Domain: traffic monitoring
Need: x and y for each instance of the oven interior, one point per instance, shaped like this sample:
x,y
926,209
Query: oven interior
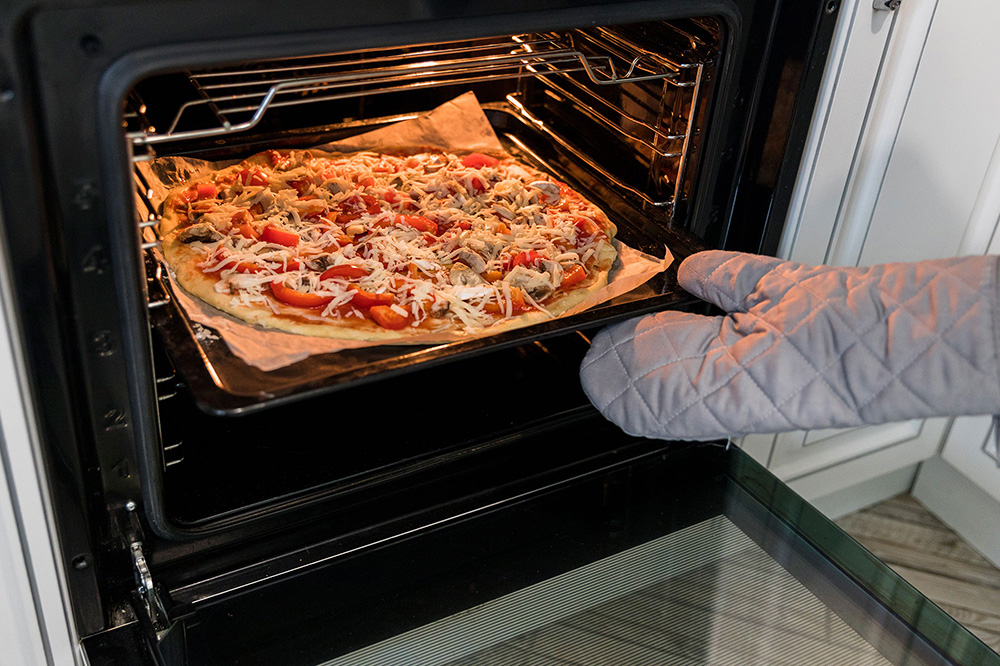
x,y
620,113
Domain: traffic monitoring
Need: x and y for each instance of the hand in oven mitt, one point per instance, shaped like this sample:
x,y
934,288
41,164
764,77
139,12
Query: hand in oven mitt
x,y
803,347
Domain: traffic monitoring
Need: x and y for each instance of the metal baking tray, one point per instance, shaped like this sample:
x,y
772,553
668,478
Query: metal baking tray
x,y
222,384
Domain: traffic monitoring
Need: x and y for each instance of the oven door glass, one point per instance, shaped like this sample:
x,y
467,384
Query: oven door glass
x,y
691,555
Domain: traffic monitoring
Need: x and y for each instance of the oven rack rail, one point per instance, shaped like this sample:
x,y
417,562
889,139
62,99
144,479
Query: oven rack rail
x,y
238,99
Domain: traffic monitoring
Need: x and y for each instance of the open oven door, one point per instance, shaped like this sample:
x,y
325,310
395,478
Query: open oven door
x,y
689,554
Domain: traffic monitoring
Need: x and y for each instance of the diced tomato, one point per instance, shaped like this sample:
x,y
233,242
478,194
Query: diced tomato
x,y
240,217
527,259
463,224
429,239
360,203
393,197
516,301
301,185
272,234
247,231
478,161
386,317
345,218
288,266
276,158
418,222
299,299
502,228
587,226
207,191
477,185
246,267
573,275
366,182
344,271
186,197
492,276
366,299
254,177
340,239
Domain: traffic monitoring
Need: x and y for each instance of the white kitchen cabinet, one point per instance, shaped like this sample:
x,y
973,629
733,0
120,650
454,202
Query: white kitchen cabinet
x,y
910,172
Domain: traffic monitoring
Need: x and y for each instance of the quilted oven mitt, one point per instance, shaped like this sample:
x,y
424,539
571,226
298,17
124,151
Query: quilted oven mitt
x,y
803,347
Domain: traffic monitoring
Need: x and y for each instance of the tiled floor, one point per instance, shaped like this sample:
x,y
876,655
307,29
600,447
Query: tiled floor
x,y
932,558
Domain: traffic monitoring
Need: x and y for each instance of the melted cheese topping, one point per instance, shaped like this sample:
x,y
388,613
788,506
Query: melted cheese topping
x,y
407,221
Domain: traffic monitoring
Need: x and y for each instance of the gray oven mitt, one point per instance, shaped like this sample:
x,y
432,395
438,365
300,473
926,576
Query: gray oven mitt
x,y
803,347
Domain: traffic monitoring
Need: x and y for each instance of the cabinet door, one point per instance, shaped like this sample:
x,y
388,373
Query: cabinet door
x,y
860,106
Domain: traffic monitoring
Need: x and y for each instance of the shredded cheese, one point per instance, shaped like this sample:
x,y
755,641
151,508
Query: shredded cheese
x,y
351,210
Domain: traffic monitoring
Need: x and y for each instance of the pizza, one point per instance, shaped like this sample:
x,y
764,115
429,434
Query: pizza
x,y
385,246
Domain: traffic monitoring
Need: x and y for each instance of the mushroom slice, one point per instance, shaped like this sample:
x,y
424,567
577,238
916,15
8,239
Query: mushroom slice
x,y
554,270
461,275
199,233
472,260
504,212
537,285
549,191
320,262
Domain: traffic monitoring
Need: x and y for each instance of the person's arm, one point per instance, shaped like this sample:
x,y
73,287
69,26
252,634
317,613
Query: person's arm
x,y
803,347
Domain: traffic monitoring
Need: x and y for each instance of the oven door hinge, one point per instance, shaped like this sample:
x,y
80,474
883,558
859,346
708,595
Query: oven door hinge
x,y
146,588
150,605
886,5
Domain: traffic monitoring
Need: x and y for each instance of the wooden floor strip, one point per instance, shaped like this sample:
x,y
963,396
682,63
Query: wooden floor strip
x,y
935,560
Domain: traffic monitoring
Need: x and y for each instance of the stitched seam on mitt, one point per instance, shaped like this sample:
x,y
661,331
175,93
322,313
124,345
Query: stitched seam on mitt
x,y
734,304
739,368
941,339
636,336
916,358
779,333
859,337
632,386
937,339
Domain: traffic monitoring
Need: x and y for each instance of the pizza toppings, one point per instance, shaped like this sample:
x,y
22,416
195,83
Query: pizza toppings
x,y
428,240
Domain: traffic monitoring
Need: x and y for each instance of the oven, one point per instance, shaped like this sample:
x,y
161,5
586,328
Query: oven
x,y
211,512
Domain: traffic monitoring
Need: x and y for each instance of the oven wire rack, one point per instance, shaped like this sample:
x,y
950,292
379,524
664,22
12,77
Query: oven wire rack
x,y
239,98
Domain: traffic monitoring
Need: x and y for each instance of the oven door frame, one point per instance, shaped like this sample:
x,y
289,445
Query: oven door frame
x,y
90,373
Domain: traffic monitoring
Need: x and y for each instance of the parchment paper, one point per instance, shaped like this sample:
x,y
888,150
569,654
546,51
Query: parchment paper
x,y
456,126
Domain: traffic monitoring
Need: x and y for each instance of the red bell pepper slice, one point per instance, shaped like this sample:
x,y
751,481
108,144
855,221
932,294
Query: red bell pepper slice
x,y
299,299
573,275
272,234
386,317
418,222
478,161
349,271
366,299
